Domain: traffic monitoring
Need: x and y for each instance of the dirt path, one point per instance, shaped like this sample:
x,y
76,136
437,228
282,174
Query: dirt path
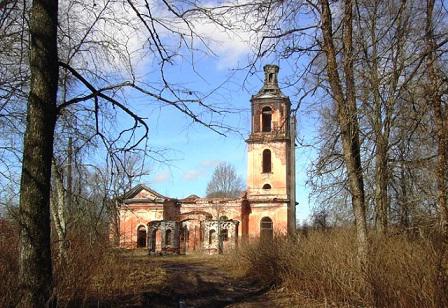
x,y
199,284
194,281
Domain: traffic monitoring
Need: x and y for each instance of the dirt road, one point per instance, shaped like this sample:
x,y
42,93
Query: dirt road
x,y
195,281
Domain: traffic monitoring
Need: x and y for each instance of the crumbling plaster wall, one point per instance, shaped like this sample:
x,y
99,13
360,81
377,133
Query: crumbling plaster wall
x,y
276,178
167,228
213,231
134,215
277,212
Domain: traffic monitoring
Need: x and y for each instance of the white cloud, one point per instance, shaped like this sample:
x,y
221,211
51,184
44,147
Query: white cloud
x,y
229,46
162,177
192,175
107,36
209,163
203,168
119,43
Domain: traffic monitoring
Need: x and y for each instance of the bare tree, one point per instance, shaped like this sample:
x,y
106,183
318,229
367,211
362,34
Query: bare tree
x,y
225,182
436,93
98,94
35,256
347,114
319,219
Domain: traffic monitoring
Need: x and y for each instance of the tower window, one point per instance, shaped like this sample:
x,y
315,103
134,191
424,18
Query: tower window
x,y
267,166
266,186
266,119
271,76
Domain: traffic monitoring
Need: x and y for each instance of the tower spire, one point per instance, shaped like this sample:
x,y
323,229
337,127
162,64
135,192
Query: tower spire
x,y
270,85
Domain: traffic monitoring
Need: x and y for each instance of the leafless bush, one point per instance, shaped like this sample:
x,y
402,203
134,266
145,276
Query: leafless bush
x,y
8,263
92,272
97,273
401,272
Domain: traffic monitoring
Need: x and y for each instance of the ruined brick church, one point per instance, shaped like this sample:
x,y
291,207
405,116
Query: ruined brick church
x,y
167,225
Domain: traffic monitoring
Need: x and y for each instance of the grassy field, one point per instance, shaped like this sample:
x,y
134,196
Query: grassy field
x,y
316,270
321,267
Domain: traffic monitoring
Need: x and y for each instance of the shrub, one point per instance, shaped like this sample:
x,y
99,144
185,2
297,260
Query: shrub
x,y
402,272
9,268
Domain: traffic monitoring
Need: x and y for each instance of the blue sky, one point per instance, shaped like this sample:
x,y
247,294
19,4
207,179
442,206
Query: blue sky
x,y
193,150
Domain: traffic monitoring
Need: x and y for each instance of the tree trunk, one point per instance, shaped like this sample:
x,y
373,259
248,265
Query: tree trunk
x,y
347,118
435,99
35,269
57,207
403,199
381,140
381,181
70,173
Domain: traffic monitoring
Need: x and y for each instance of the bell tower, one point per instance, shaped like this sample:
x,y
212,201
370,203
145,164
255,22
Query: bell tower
x,y
271,152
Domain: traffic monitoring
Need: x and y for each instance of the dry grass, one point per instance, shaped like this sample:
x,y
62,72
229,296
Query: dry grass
x,y
322,266
8,264
92,273
102,274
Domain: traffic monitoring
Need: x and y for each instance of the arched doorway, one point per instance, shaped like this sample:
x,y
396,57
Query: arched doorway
x,y
141,237
211,237
266,229
155,244
168,237
184,239
225,235
245,212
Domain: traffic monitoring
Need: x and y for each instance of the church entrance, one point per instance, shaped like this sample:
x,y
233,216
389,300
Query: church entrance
x,y
141,237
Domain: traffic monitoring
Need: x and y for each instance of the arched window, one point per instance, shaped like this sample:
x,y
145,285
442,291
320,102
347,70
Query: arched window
x,y
267,161
168,237
224,235
266,186
266,119
266,229
141,236
211,236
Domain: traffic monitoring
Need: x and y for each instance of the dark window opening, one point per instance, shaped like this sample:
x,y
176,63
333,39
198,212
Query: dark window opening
x,y
223,218
270,77
266,229
267,161
182,233
211,236
141,237
266,119
224,235
168,237
266,186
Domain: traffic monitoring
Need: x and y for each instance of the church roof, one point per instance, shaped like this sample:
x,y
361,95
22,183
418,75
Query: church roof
x,y
140,187
190,198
